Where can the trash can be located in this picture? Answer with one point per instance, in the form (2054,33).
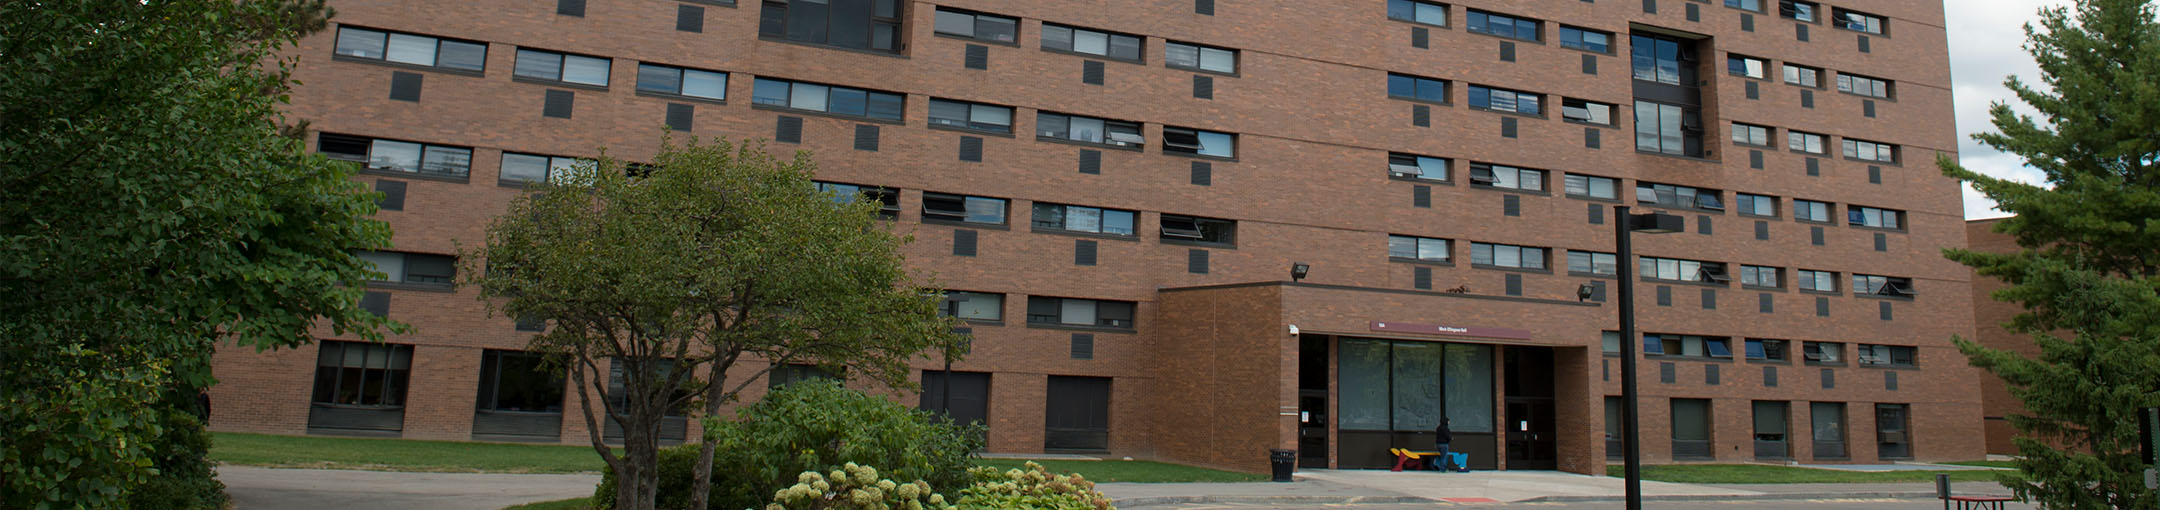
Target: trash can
(1284,461)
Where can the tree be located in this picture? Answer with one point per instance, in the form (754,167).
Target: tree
(2089,253)
(715,255)
(152,211)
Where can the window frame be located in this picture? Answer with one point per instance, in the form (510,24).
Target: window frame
(1492,257)
(1199,144)
(404,279)
(1783,351)
(1803,136)
(965,213)
(1881,23)
(1223,230)
(1492,180)
(1417,84)
(1888,356)
(1200,53)
(1418,245)
(1761,66)
(421,160)
(395,386)
(1895,218)
(553,166)
(1011,116)
(1848,83)
(1790,73)
(1742,204)
(1071,45)
(337,51)
(1880,286)
(1537,100)
(1064,213)
(1445,12)
(1716,197)
(1814,353)
(1706,272)
(1591,261)
(1689,125)
(1131,312)
(1769,133)
(1851,148)
(1758,5)
(1471,25)
(947,307)
(1588,185)
(488,398)
(869,99)
(1611,39)
(1754,272)
(682,77)
(1568,103)
(562,68)
(1789,9)
(888,198)
(1804,278)
(1137,131)
(975,27)
(1829,211)
(1447,168)
(774,14)
(1701,344)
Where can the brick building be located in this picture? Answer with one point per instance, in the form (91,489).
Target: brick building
(1444,172)
(1996,402)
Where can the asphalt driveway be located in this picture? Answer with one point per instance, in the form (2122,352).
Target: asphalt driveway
(254,488)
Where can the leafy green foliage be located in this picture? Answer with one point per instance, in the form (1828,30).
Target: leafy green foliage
(855,487)
(153,210)
(808,426)
(1031,488)
(185,480)
(717,253)
(2089,264)
(677,463)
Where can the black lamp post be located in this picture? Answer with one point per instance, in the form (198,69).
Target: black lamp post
(967,336)
(1624,224)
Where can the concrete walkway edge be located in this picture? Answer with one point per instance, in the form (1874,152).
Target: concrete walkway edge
(1337,500)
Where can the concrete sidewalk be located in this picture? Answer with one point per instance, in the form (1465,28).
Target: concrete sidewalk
(1377,486)
(254,488)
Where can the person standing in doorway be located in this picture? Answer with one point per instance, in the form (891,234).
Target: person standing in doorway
(1441,438)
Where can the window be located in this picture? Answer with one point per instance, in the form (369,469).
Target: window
(1076,414)
(682,81)
(1755,205)
(1412,166)
(974,306)
(412,49)
(1762,276)
(1612,344)
(1420,248)
(1662,59)
(1870,151)
(1818,281)
(1810,210)
(1688,345)
(1073,218)
(1810,143)
(976,116)
(1058,126)
(1081,40)
(1507,255)
(1750,134)
(1771,423)
(1823,352)
(1893,438)
(1752,5)
(1403,86)
(1802,75)
(962,208)
(1862,85)
(1875,285)
(864,24)
(1798,10)
(978,26)
(362,374)
(1590,262)
(1505,100)
(1586,39)
(784,375)
(1488,175)
(1679,197)
(1197,142)
(1863,216)
(412,268)
(1668,129)
(1746,66)
(562,67)
(1200,58)
(888,199)
(1859,21)
(518,382)
(1885,355)
(1197,229)
(519,168)
(828,99)
(1589,112)
(1422,12)
(1504,26)
(1080,312)
(1591,186)
(396,156)
(1691,428)
(1682,270)
(1827,421)
(1765,350)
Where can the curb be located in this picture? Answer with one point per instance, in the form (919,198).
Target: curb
(1742,497)
(1324,500)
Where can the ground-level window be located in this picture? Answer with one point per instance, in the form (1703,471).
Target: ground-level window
(673,426)
(1397,391)
(1076,414)
(1892,439)
(970,392)
(1827,421)
(360,386)
(520,398)
(1770,425)
(1691,428)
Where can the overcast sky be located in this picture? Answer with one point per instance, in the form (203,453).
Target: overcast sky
(1987,40)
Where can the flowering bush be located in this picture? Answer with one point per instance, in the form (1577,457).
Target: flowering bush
(855,487)
(1032,488)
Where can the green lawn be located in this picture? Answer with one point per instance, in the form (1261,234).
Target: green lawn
(1757,473)
(1130,470)
(562,504)
(400,454)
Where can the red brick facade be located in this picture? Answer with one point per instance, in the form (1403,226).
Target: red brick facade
(1210,364)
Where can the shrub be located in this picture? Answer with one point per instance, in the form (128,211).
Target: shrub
(1033,488)
(181,455)
(855,487)
(809,426)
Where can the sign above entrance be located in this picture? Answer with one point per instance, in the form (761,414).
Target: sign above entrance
(1439,329)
